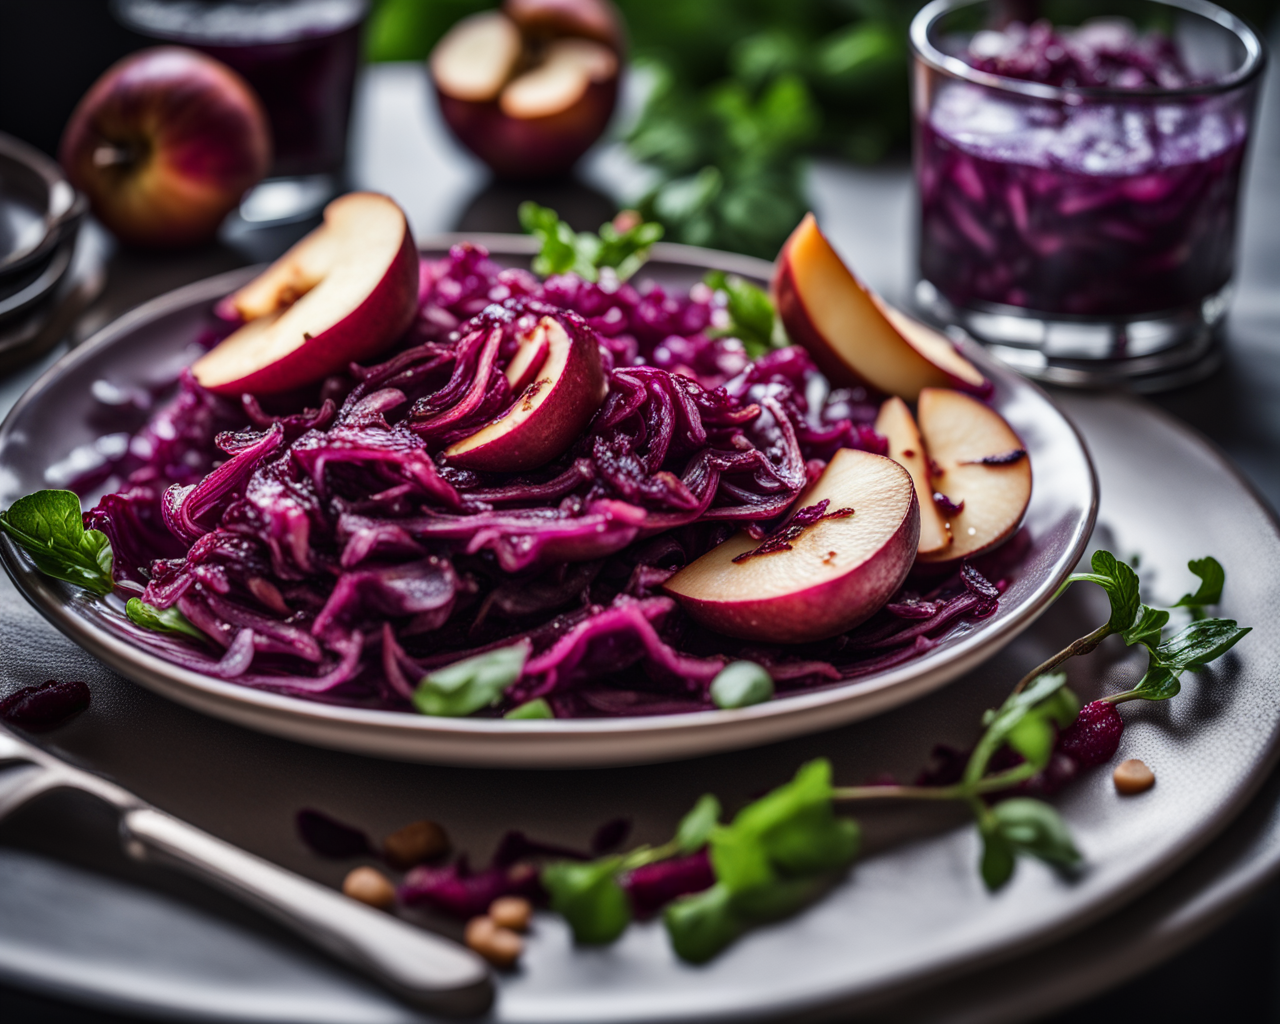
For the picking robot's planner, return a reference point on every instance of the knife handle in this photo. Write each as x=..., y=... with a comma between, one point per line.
x=426, y=970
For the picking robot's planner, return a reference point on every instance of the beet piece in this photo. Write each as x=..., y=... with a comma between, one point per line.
x=43, y=707
x=329, y=837
x=1094, y=736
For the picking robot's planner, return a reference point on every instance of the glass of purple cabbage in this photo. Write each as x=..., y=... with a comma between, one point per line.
x=1080, y=179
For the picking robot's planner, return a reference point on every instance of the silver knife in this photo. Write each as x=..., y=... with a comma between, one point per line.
x=425, y=970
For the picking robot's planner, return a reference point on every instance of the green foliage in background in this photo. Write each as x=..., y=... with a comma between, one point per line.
x=744, y=91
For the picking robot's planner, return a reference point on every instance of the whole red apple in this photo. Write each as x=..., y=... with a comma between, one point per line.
x=165, y=144
x=529, y=88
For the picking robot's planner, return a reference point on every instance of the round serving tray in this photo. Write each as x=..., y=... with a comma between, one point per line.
x=56, y=421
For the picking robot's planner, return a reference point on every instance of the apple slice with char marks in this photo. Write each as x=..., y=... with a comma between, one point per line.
x=818, y=580
x=550, y=413
x=342, y=294
x=906, y=447
x=979, y=461
x=852, y=334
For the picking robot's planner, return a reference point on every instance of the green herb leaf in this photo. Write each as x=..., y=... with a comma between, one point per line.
x=471, y=684
x=1119, y=581
x=589, y=897
x=1157, y=683
x=537, y=708
x=1198, y=644
x=1034, y=828
x=998, y=859
x=1045, y=701
x=49, y=526
x=564, y=250
x=702, y=924
x=1212, y=576
x=162, y=620
x=1146, y=627
x=752, y=317
x=740, y=684
x=792, y=830
x=695, y=827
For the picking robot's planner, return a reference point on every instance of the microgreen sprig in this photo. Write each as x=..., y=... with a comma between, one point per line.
x=622, y=244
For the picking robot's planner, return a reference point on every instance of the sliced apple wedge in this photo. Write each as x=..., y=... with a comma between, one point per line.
x=530, y=354
x=827, y=577
x=342, y=294
x=853, y=336
x=550, y=413
x=478, y=57
x=906, y=447
x=979, y=461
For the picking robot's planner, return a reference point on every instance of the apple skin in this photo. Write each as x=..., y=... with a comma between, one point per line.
x=361, y=326
x=792, y=596
x=165, y=144
x=859, y=342
x=523, y=149
x=958, y=430
x=550, y=414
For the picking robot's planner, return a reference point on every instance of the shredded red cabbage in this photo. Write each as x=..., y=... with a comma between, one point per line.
x=329, y=552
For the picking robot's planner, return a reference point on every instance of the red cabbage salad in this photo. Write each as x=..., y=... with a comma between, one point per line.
x=322, y=547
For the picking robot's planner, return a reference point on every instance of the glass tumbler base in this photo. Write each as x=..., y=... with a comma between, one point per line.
x=1145, y=353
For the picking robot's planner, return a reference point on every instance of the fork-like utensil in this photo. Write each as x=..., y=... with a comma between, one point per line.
x=426, y=970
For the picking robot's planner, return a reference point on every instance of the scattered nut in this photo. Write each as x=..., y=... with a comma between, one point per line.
x=500, y=946
x=371, y=886
x=1133, y=776
x=512, y=912
x=415, y=843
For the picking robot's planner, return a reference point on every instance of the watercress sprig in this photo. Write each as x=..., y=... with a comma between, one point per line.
x=622, y=244
x=49, y=526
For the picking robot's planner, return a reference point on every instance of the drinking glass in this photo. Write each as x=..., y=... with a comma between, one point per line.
x=1085, y=233
x=301, y=58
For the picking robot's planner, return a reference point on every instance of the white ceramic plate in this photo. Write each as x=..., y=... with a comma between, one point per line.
x=56, y=418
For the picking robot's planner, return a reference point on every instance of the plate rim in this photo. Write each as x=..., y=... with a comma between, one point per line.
x=401, y=736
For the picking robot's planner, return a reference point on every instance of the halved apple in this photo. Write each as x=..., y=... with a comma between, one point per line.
x=906, y=447
x=551, y=412
x=981, y=462
x=342, y=294
x=853, y=336
x=832, y=574
x=529, y=88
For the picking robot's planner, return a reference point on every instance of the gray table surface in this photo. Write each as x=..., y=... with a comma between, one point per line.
x=399, y=147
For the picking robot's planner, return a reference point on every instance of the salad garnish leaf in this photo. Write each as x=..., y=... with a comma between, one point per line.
x=695, y=827
x=162, y=620
x=589, y=897
x=1120, y=583
x=536, y=708
x=1212, y=576
x=471, y=684
x=622, y=244
x=49, y=526
x=740, y=684
x=753, y=320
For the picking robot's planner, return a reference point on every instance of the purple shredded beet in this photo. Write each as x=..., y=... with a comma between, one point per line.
x=329, y=837
x=946, y=506
x=330, y=551
x=1094, y=736
x=1002, y=459
x=46, y=706
x=652, y=887
x=456, y=891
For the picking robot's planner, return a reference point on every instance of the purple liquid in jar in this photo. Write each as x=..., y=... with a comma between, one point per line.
x=300, y=56
x=1096, y=207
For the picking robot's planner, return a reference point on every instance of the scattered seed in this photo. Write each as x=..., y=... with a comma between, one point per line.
x=371, y=886
x=414, y=844
x=500, y=946
x=1133, y=776
x=513, y=912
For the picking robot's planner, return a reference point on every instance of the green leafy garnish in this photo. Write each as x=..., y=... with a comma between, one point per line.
x=1023, y=826
x=1212, y=576
x=537, y=708
x=740, y=684
x=49, y=526
x=471, y=684
x=1026, y=721
x=589, y=897
x=162, y=620
x=1119, y=581
x=695, y=827
x=752, y=317
x=564, y=250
